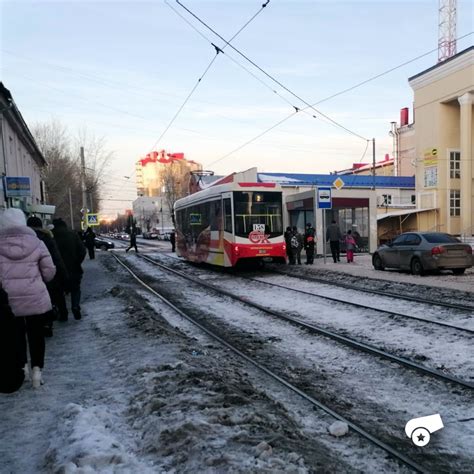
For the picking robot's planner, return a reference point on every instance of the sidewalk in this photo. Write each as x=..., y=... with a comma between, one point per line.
x=362, y=267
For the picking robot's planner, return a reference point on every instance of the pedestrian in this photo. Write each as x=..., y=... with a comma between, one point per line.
x=309, y=242
x=289, y=250
x=73, y=252
x=25, y=266
x=173, y=240
x=89, y=241
x=60, y=281
x=333, y=236
x=300, y=241
x=133, y=241
x=350, y=246
x=12, y=374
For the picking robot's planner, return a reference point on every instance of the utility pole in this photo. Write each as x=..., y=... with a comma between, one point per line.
x=373, y=163
x=70, y=209
x=83, y=187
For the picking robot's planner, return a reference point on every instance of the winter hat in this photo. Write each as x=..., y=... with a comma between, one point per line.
x=59, y=223
x=12, y=217
x=34, y=221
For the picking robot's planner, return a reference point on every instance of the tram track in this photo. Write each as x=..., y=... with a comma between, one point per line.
x=363, y=306
x=345, y=340
x=388, y=294
x=393, y=452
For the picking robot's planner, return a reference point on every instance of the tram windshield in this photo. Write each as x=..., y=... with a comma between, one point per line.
x=256, y=207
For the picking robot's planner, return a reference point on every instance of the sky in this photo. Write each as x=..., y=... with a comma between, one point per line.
x=122, y=69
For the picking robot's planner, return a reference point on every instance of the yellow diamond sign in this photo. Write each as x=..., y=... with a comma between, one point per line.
x=338, y=183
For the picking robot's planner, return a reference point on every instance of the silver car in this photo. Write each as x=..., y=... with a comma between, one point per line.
x=424, y=251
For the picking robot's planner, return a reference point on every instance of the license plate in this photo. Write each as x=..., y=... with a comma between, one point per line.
x=262, y=251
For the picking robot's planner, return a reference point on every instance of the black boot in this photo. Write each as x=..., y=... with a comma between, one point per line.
x=77, y=313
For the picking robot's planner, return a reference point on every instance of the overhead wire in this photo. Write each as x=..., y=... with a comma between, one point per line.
x=270, y=76
x=344, y=91
x=206, y=70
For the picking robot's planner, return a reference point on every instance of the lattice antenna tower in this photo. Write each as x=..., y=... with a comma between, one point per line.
x=447, y=29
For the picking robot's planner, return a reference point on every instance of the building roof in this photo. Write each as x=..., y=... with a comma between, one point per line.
x=350, y=180
x=442, y=63
x=403, y=212
x=9, y=109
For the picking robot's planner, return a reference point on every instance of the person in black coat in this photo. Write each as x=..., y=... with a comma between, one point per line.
x=173, y=240
x=60, y=281
x=133, y=242
x=309, y=242
x=73, y=252
x=289, y=250
x=12, y=374
x=89, y=240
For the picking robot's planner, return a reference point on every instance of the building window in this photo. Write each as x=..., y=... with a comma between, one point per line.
x=413, y=198
x=387, y=199
x=455, y=203
x=455, y=164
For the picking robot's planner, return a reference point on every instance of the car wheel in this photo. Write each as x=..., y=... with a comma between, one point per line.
x=459, y=271
x=378, y=263
x=103, y=247
x=416, y=267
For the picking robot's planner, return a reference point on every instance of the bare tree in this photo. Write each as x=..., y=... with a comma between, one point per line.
x=175, y=181
x=62, y=175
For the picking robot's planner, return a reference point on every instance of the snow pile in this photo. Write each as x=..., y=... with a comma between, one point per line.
x=197, y=418
x=338, y=428
x=86, y=442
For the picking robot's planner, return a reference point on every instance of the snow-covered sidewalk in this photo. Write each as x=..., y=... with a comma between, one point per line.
x=125, y=391
x=363, y=268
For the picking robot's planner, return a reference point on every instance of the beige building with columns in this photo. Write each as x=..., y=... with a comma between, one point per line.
x=443, y=112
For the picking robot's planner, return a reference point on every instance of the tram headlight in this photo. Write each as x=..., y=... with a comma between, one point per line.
x=236, y=250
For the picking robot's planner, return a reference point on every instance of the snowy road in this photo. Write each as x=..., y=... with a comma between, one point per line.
x=339, y=374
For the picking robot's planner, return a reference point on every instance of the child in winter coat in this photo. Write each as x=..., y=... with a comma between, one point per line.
x=350, y=246
x=25, y=266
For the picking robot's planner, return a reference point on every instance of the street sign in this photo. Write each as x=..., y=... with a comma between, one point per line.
x=92, y=219
x=338, y=183
x=324, y=198
x=17, y=186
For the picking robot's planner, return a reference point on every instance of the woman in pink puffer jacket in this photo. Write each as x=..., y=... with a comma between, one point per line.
x=25, y=266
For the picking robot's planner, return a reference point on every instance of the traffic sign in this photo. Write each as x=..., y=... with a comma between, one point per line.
x=92, y=219
x=324, y=198
x=338, y=183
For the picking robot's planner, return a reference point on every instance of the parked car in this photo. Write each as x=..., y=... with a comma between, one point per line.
x=424, y=251
x=103, y=244
x=150, y=235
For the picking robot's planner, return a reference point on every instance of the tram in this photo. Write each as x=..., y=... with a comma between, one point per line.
x=227, y=224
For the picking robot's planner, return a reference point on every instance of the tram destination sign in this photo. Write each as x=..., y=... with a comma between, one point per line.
x=17, y=186
x=324, y=198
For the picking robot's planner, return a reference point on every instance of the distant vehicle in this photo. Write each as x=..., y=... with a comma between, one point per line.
x=232, y=223
x=164, y=234
x=150, y=235
x=420, y=252
x=103, y=244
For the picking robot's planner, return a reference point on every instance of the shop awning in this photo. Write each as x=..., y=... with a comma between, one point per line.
x=403, y=212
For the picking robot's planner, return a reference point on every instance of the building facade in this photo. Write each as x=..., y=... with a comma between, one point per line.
x=152, y=214
x=20, y=163
x=444, y=129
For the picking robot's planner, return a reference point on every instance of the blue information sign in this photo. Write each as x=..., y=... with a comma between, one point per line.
x=18, y=186
x=324, y=198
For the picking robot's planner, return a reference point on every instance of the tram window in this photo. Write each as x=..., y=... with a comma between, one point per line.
x=252, y=208
x=227, y=215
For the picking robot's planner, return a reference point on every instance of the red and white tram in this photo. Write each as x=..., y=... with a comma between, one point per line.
x=229, y=223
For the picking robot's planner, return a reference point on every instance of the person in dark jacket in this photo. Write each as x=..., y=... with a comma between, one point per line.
x=289, y=250
x=12, y=374
x=299, y=238
x=89, y=240
x=173, y=241
x=333, y=235
x=133, y=241
x=60, y=281
x=73, y=253
x=309, y=242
